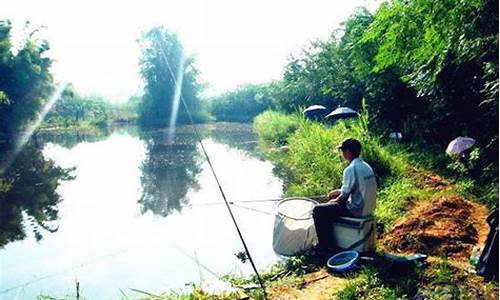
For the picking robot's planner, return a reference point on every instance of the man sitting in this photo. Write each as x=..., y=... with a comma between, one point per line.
x=356, y=197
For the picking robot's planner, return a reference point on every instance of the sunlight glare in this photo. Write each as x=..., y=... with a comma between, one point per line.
x=177, y=96
x=24, y=138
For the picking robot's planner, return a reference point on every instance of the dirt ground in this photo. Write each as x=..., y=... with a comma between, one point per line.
x=318, y=285
x=449, y=225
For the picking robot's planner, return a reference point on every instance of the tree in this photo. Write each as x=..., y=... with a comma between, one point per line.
x=73, y=109
x=25, y=80
x=242, y=104
x=163, y=65
x=447, y=51
x=28, y=182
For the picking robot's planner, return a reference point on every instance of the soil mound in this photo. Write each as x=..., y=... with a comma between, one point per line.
x=447, y=226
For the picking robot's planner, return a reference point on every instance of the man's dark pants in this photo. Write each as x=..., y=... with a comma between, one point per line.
x=324, y=215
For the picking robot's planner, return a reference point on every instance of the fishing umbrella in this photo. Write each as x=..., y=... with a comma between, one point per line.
x=342, y=113
x=315, y=111
x=460, y=145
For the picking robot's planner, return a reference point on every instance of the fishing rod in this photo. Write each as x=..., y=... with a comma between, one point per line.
x=178, y=93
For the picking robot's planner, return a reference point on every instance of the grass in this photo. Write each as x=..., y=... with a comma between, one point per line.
x=274, y=128
x=314, y=166
x=393, y=199
x=367, y=285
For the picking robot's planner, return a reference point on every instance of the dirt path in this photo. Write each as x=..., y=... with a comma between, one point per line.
x=318, y=285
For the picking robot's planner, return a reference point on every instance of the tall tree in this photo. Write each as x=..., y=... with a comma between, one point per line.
x=447, y=51
x=28, y=182
x=25, y=80
x=164, y=65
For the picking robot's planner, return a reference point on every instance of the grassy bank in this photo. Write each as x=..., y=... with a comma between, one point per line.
x=314, y=166
x=408, y=177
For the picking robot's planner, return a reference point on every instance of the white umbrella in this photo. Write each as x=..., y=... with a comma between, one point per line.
x=315, y=111
x=459, y=145
x=314, y=107
x=342, y=112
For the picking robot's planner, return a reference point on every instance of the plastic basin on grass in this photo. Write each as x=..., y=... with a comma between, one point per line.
x=343, y=261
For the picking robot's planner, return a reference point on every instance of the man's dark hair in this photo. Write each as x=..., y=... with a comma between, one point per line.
x=352, y=145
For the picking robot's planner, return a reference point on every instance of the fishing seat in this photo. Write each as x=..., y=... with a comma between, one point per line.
x=355, y=233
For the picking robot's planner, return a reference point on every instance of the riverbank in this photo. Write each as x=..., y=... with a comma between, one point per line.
x=420, y=209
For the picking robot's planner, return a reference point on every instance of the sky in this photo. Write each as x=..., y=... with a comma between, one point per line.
x=94, y=42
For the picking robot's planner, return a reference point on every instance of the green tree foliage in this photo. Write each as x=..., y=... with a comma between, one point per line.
x=162, y=60
x=428, y=69
x=28, y=182
x=242, y=104
x=71, y=109
x=25, y=80
x=447, y=52
x=338, y=72
x=325, y=73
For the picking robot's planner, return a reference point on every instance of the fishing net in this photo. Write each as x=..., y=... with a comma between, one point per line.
x=294, y=230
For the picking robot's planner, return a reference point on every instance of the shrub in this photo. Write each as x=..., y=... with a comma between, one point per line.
x=314, y=163
x=274, y=128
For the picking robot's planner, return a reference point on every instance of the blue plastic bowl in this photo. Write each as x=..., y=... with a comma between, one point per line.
x=343, y=261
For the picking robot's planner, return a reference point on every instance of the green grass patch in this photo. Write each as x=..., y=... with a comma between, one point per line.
x=393, y=199
x=369, y=284
x=313, y=165
x=274, y=128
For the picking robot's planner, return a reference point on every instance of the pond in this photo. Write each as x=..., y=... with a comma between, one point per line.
x=144, y=212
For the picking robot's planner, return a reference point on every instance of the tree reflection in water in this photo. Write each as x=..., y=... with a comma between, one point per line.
x=237, y=136
x=29, y=200
x=169, y=170
x=28, y=197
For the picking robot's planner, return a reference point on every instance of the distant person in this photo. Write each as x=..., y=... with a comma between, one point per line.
x=356, y=197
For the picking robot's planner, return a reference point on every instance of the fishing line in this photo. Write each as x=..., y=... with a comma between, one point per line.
x=261, y=282
x=318, y=197
x=70, y=269
x=252, y=209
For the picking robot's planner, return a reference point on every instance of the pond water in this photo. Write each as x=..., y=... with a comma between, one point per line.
x=144, y=212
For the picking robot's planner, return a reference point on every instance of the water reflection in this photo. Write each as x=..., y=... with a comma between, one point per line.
x=238, y=136
x=107, y=244
x=169, y=170
x=28, y=196
x=69, y=139
x=171, y=167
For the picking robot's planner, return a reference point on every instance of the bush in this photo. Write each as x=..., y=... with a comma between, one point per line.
x=274, y=128
x=315, y=165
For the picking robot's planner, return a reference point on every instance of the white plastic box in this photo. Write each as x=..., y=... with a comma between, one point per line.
x=360, y=232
